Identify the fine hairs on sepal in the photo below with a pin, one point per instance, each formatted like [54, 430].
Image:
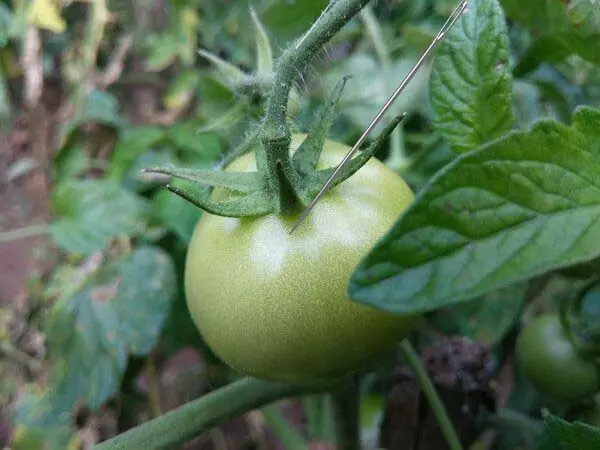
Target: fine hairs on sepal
[281, 183]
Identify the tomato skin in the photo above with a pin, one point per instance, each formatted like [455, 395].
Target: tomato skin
[550, 361]
[275, 305]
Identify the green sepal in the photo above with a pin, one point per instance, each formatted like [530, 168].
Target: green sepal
[320, 177]
[254, 204]
[232, 74]
[264, 52]
[243, 182]
[307, 156]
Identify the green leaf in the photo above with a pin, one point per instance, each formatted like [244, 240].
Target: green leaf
[485, 319]
[37, 426]
[513, 209]
[540, 16]
[181, 90]
[277, 17]
[163, 51]
[367, 90]
[134, 143]
[46, 15]
[560, 28]
[572, 436]
[119, 311]
[94, 211]
[176, 213]
[185, 138]
[584, 15]
[528, 106]
[470, 84]
[70, 162]
[99, 107]
[6, 109]
[5, 23]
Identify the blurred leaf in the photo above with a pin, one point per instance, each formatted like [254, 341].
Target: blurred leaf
[162, 52]
[470, 85]
[91, 212]
[572, 436]
[320, 417]
[558, 95]
[67, 280]
[487, 318]
[217, 97]
[5, 20]
[70, 161]
[181, 90]
[133, 143]
[285, 432]
[224, 121]
[509, 211]
[187, 139]
[527, 103]
[427, 163]
[540, 16]
[371, 415]
[178, 214]
[366, 91]
[277, 17]
[584, 15]
[188, 26]
[120, 310]
[516, 430]
[5, 103]
[557, 36]
[99, 107]
[45, 14]
[37, 426]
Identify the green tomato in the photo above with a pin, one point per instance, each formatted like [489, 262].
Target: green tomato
[552, 364]
[274, 305]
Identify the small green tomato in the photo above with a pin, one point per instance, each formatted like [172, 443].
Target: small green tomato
[552, 364]
[275, 305]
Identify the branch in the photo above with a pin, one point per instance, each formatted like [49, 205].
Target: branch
[204, 413]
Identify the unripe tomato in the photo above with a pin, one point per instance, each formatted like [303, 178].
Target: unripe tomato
[552, 364]
[275, 305]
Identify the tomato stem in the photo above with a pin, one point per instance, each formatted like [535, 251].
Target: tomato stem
[276, 133]
[206, 412]
[427, 387]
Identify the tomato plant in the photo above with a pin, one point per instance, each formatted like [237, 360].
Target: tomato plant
[496, 131]
[551, 362]
[591, 414]
[274, 305]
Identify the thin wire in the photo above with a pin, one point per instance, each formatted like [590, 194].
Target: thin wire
[458, 11]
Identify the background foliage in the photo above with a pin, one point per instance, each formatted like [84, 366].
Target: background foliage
[106, 88]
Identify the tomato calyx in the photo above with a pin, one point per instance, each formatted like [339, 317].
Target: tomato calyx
[283, 183]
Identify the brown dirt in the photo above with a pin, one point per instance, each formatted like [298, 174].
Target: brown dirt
[23, 202]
